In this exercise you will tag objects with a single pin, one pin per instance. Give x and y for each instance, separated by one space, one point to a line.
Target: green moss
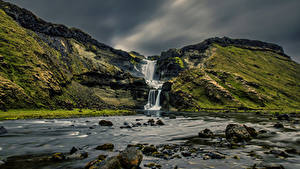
50 114
179 62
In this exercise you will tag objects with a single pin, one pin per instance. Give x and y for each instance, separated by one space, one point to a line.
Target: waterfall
148 70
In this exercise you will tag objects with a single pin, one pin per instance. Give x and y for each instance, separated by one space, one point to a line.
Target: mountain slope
45 65
227 73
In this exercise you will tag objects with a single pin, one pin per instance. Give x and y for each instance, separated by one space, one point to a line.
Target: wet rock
151 122
149 150
160 123
283 117
152 165
130 158
94 163
58 157
138 146
77 156
293 151
278 125
110 163
107 146
213 155
267 166
279 153
2 130
105 123
172 116
138 119
237 133
73 150
206 133
186 154
253 133
126 127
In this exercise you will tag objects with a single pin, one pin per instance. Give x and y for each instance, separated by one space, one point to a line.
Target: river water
43 136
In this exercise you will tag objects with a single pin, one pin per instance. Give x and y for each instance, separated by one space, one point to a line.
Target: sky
153 26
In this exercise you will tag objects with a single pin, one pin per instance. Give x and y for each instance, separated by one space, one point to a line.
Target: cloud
150 26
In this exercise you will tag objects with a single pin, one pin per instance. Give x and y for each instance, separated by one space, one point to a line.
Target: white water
154 94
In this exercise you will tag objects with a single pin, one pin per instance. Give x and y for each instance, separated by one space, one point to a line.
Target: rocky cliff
229 73
45 65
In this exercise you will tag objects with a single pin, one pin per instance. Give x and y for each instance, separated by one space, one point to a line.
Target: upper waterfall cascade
148 70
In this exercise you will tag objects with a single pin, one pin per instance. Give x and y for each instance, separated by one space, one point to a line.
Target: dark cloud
150 26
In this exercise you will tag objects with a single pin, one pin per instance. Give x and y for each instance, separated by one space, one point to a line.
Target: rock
186 154
283 117
279 153
149 150
151 122
206 133
278 125
160 123
58 157
126 127
2 130
214 155
253 133
73 150
105 123
172 116
77 156
268 166
110 163
130 158
292 151
237 133
107 146
152 165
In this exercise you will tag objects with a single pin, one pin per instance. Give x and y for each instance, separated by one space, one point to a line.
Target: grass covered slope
228 76
51 66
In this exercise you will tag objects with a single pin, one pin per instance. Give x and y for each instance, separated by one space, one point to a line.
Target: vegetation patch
56 114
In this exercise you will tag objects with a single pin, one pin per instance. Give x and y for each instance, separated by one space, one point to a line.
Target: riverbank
18 114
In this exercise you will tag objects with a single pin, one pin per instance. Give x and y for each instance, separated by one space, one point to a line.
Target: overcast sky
151 26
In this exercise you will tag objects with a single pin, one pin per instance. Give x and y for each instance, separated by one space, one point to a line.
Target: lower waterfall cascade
154 94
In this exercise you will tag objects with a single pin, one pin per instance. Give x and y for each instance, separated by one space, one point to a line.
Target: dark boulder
149 150
237 133
278 125
2 130
160 123
73 150
107 146
130 158
105 123
251 131
283 117
206 133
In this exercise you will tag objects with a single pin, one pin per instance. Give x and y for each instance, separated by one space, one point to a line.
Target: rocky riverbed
155 140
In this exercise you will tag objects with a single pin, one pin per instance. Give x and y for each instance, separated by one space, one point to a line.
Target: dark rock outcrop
107 146
206 133
2 130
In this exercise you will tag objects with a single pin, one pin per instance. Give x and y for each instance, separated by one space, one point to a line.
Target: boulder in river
105 123
237 133
278 125
160 123
107 146
2 130
206 133
130 158
149 150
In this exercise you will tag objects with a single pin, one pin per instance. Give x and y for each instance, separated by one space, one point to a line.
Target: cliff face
226 73
51 66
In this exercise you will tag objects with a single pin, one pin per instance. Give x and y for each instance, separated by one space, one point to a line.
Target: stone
251 131
58 157
130 158
152 165
110 163
107 146
105 123
206 133
149 150
283 117
214 155
278 125
160 123
2 130
73 150
237 133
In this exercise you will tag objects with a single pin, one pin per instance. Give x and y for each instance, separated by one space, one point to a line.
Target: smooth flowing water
148 70
27 137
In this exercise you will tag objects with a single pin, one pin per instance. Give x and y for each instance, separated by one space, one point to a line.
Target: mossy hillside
51 114
248 78
54 72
